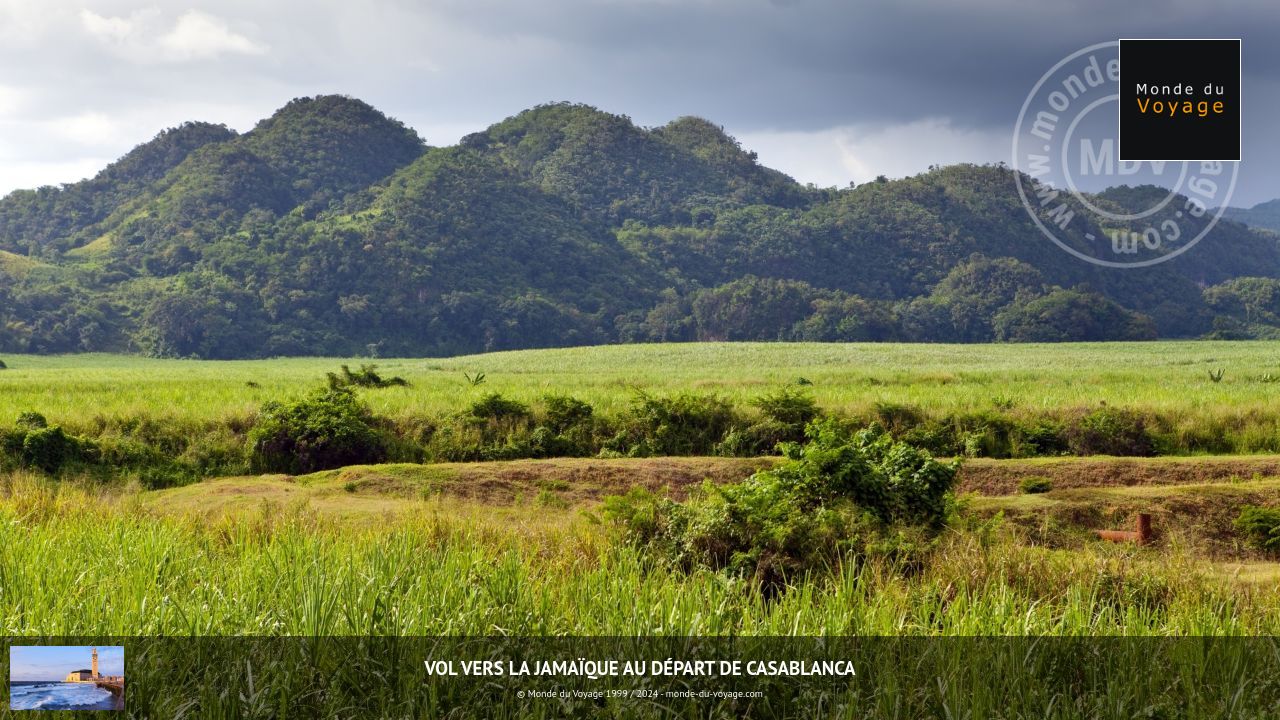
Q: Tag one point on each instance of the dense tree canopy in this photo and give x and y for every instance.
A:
(332, 229)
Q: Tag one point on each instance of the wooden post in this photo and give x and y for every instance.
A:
(1144, 528)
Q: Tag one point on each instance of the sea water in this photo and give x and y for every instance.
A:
(59, 696)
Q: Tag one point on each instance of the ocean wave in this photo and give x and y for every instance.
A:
(58, 696)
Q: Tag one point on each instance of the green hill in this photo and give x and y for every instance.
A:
(606, 167)
(1263, 215)
(330, 228)
(304, 159)
(31, 220)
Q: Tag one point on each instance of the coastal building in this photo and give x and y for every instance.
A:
(85, 675)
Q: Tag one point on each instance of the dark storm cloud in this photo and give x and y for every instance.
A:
(82, 81)
(810, 65)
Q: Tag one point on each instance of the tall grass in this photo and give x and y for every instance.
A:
(76, 562)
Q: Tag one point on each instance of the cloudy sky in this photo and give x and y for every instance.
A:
(829, 91)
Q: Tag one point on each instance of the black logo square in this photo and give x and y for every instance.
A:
(1179, 100)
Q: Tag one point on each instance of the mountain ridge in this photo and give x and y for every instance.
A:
(1264, 215)
(330, 228)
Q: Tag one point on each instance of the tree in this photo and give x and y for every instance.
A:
(753, 309)
(202, 315)
(1071, 315)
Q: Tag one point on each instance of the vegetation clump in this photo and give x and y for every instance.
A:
(324, 430)
(569, 429)
(498, 428)
(497, 408)
(37, 444)
(366, 377)
(1035, 484)
(31, 420)
(1260, 527)
(49, 448)
(784, 415)
(841, 492)
(1110, 431)
(565, 413)
(789, 407)
(491, 428)
(684, 424)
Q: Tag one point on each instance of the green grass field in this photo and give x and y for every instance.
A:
(331, 562)
(175, 572)
(1171, 377)
(519, 548)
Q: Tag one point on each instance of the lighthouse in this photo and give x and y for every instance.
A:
(95, 664)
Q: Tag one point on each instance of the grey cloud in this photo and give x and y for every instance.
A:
(753, 65)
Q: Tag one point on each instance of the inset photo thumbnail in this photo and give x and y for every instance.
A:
(66, 677)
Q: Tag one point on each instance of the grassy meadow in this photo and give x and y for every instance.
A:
(520, 548)
(167, 563)
(1169, 377)
(244, 595)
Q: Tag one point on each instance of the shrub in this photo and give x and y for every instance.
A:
(569, 430)
(565, 413)
(788, 406)
(49, 448)
(34, 443)
(1043, 436)
(366, 376)
(544, 442)
(496, 428)
(984, 434)
(1035, 484)
(684, 424)
(785, 415)
(214, 455)
(1109, 431)
(760, 438)
(1260, 527)
(495, 407)
(456, 441)
(11, 446)
(32, 420)
(328, 429)
(936, 436)
(898, 417)
(837, 493)
(492, 428)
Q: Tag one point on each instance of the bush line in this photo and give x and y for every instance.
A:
(333, 427)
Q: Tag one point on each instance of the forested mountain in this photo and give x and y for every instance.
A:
(32, 220)
(1263, 215)
(331, 229)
